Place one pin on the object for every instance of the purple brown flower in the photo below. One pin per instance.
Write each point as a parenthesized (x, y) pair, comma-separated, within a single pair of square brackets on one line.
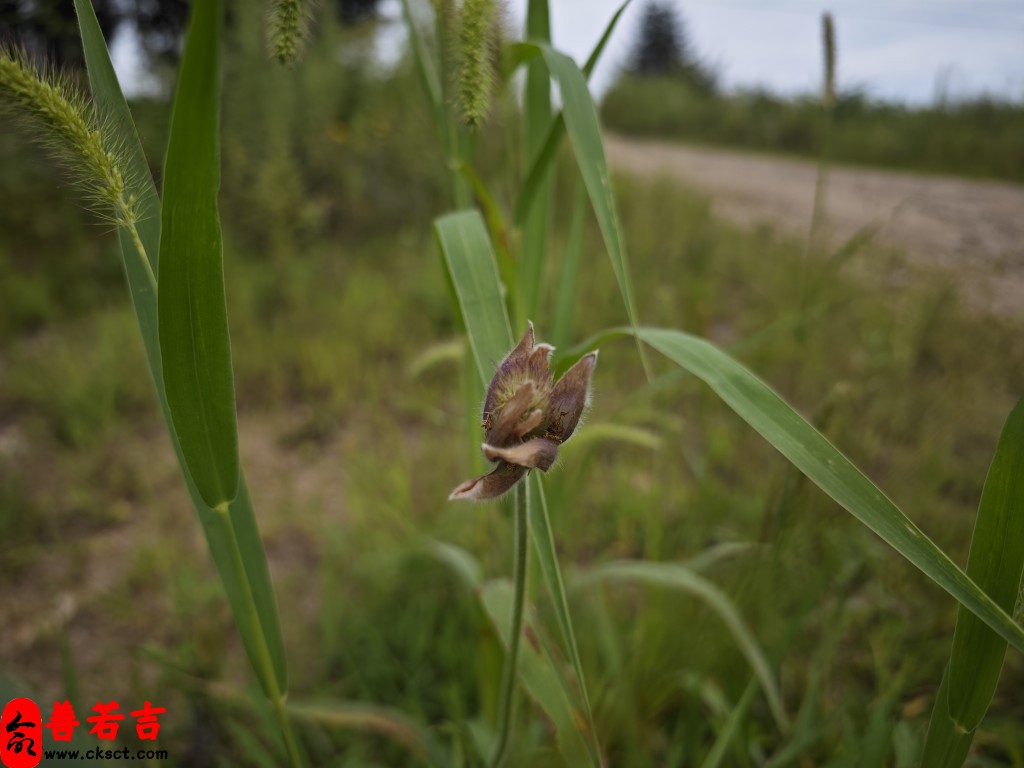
[(527, 415)]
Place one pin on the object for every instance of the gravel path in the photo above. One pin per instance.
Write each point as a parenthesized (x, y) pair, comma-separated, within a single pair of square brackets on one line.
[(973, 227)]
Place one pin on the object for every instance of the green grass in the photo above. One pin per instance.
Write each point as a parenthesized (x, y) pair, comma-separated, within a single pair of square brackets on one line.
[(351, 459)]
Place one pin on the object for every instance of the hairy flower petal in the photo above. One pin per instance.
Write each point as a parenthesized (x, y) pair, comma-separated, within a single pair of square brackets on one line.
[(538, 366), (509, 370), (569, 399), (490, 486), (539, 453), (503, 425)]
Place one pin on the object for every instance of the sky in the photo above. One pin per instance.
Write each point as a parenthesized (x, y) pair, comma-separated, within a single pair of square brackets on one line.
[(895, 49)]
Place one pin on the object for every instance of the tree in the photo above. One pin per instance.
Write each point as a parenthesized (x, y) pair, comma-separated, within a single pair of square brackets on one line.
[(662, 48)]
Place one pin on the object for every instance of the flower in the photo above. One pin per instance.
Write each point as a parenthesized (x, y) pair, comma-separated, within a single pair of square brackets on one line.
[(527, 415)]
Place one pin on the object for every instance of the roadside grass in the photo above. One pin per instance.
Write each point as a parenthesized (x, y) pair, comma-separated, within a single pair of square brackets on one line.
[(976, 137), (351, 456)]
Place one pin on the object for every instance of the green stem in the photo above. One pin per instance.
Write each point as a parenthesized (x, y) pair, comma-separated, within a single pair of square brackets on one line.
[(286, 730), (508, 677), (262, 664), (143, 255)]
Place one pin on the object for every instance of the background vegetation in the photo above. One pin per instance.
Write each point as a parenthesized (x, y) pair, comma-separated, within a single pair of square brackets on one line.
[(666, 91), (353, 429)]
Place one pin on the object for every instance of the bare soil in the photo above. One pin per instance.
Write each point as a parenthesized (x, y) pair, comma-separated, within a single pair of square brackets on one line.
[(975, 228)]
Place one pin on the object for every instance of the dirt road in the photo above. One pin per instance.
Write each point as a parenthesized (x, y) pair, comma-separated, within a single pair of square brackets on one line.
[(973, 227)]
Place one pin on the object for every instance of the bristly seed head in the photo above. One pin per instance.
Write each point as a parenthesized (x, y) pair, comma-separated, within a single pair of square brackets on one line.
[(477, 45), (527, 415), (70, 128)]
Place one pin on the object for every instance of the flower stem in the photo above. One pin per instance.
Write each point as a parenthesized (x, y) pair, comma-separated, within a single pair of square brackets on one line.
[(508, 677)]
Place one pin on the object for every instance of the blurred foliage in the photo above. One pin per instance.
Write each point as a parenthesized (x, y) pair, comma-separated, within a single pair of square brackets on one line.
[(48, 29), (978, 137)]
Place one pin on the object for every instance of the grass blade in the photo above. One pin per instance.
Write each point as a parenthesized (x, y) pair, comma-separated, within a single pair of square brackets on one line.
[(731, 728), (542, 158), (679, 577), (584, 131), (945, 746), (368, 718), (469, 258), (540, 674), (816, 457), (113, 111), (568, 279), (249, 589), (995, 563), (191, 311), (536, 123), (547, 557), (425, 68)]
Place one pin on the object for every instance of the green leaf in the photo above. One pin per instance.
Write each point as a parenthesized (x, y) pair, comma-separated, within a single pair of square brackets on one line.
[(540, 674), (469, 258), (946, 746), (679, 577), (544, 153), (536, 122), (113, 112), (547, 556), (584, 131), (824, 465), (732, 727), (193, 325), (995, 564)]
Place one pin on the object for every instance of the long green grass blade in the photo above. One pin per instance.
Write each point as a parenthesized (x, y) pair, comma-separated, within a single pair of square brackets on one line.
[(113, 112), (679, 577), (248, 587), (945, 746), (584, 131), (995, 564), (470, 261), (544, 155), (425, 68), (547, 557), (540, 674), (192, 315), (823, 464), (469, 258), (536, 122), (569, 275), (359, 717), (731, 729)]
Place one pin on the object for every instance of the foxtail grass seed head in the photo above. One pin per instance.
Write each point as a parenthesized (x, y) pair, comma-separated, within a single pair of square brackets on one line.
[(527, 415), (477, 41), (829, 39), (287, 30), (70, 129)]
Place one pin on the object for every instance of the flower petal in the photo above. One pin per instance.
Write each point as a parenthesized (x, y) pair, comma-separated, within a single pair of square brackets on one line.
[(490, 486), (512, 366), (539, 366), (539, 453), (569, 398), (502, 426)]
